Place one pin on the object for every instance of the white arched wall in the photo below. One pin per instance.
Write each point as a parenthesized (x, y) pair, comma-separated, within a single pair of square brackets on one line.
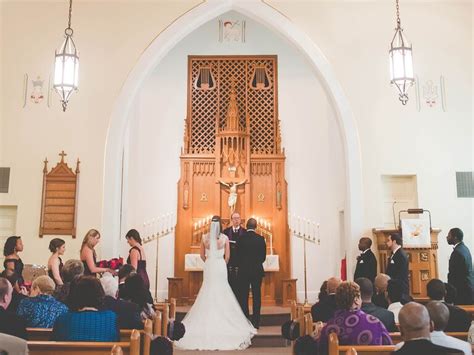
[(163, 43)]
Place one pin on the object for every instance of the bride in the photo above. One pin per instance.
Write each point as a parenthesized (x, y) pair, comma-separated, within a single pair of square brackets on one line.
[(216, 321)]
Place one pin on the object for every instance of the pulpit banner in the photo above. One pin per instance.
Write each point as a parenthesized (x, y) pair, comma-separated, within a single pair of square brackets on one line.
[(416, 233)]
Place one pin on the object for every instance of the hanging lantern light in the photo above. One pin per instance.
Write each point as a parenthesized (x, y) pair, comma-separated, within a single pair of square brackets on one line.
[(66, 65), (401, 61)]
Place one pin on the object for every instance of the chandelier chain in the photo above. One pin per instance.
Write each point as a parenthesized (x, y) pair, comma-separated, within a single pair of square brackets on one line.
[(70, 14), (398, 13)]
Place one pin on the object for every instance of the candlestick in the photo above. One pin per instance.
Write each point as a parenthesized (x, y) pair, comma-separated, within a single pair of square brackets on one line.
[(271, 244)]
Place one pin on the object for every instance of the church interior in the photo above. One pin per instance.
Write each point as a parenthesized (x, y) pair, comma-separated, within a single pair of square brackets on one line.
[(279, 110)]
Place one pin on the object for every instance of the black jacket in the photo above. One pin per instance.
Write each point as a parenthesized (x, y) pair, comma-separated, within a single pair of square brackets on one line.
[(460, 273), (324, 310), (386, 317), (229, 232), (11, 324), (366, 266), (397, 269), (422, 347), (252, 254), (128, 314), (459, 319)]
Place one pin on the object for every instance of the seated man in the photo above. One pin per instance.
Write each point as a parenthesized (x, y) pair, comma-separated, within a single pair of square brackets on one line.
[(439, 315), (9, 323), (415, 326), (366, 292), (41, 310), (325, 308), (128, 315), (380, 296), (395, 292), (459, 319)]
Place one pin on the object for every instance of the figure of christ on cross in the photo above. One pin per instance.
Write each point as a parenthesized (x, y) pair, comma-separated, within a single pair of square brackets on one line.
[(232, 200)]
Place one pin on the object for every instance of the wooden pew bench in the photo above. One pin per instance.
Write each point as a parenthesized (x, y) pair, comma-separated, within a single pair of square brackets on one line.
[(131, 347), (336, 349)]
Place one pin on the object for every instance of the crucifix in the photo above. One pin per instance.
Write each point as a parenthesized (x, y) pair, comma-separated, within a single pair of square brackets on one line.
[(232, 201)]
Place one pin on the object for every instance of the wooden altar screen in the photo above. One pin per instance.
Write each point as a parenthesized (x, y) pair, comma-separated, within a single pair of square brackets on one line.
[(232, 159), (423, 262)]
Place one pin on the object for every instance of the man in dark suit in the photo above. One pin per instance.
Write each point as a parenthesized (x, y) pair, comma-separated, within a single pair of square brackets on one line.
[(366, 292), (366, 261), (397, 267), (325, 308), (459, 320), (10, 323), (252, 254), (415, 328), (460, 267), (234, 233)]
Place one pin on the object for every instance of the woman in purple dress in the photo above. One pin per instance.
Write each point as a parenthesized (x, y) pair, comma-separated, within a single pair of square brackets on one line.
[(353, 326), (136, 255)]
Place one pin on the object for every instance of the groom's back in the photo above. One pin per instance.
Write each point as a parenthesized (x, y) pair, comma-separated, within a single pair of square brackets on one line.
[(252, 253)]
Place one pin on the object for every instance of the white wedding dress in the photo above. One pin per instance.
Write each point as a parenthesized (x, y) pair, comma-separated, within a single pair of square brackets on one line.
[(216, 321)]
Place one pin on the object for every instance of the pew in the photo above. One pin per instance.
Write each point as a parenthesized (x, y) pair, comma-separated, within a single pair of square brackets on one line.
[(157, 323), (172, 308), (293, 310), (397, 338), (116, 350), (336, 349), (132, 347), (164, 308)]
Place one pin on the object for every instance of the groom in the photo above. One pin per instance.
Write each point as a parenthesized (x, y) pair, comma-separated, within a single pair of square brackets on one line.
[(252, 253)]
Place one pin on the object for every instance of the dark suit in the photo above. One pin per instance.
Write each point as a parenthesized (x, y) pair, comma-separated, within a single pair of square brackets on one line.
[(128, 314), (459, 319), (252, 254), (422, 347), (324, 310), (380, 300), (232, 265), (397, 269), (386, 317), (366, 266), (460, 273), (12, 324)]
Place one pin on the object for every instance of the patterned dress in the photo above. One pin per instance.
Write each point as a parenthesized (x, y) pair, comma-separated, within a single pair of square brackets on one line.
[(354, 327), (41, 311)]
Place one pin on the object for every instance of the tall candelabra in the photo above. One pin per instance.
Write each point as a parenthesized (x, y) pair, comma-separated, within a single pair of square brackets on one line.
[(301, 228)]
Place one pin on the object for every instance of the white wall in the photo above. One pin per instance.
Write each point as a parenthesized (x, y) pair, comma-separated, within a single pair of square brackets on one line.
[(354, 37), (315, 166)]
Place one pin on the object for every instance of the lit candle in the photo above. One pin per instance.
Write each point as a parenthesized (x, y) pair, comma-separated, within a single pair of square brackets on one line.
[(271, 244)]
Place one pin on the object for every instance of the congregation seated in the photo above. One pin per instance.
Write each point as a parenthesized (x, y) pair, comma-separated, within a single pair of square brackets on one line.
[(85, 322), (380, 296), (352, 325), (19, 292), (415, 326), (128, 314), (161, 346), (459, 319), (325, 308), (306, 345), (394, 294), (134, 290), (10, 323), (12, 345), (72, 268), (385, 316), (124, 272), (41, 309)]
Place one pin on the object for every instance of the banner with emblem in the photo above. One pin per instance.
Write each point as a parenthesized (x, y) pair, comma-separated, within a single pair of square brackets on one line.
[(416, 233)]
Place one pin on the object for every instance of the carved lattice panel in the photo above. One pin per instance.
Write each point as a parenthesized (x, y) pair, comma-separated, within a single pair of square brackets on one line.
[(208, 106)]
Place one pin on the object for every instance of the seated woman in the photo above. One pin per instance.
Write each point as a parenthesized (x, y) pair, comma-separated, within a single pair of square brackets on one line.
[(85, 322), (12, 247), (134, 290), (41, 310), (353, 326), (19, 292), (72, 268), (57, 246), (124, 272)]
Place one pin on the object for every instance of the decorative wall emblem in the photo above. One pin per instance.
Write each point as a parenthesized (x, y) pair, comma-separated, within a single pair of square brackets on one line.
[(260, 78), (430, 94), (205, 79), (260, 197), (424, 257), (231, 31), (203, 197), (37, 94), (425, 275)]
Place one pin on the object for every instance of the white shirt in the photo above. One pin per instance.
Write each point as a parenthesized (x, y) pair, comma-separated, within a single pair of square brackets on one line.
[(395, 309), (235, 229), (440, 338)]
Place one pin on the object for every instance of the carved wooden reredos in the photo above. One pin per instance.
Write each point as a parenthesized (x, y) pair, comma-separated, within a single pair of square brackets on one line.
[(232, 157)]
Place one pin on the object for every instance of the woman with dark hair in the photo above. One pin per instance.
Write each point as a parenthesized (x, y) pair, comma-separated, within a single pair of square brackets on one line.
[(134, 290), (57, 246), (88, 255), (352, 325), (85, 322), (13, 246), (136, 255)]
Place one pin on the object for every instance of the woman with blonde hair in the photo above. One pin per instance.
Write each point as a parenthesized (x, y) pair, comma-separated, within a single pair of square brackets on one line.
[(89, 256)]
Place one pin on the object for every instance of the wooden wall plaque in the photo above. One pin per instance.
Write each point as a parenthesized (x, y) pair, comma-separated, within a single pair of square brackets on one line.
[(59, 199)]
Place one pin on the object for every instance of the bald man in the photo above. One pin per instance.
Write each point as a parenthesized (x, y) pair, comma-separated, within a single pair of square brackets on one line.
[(366, 262), (324, 309), (415, 327)]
